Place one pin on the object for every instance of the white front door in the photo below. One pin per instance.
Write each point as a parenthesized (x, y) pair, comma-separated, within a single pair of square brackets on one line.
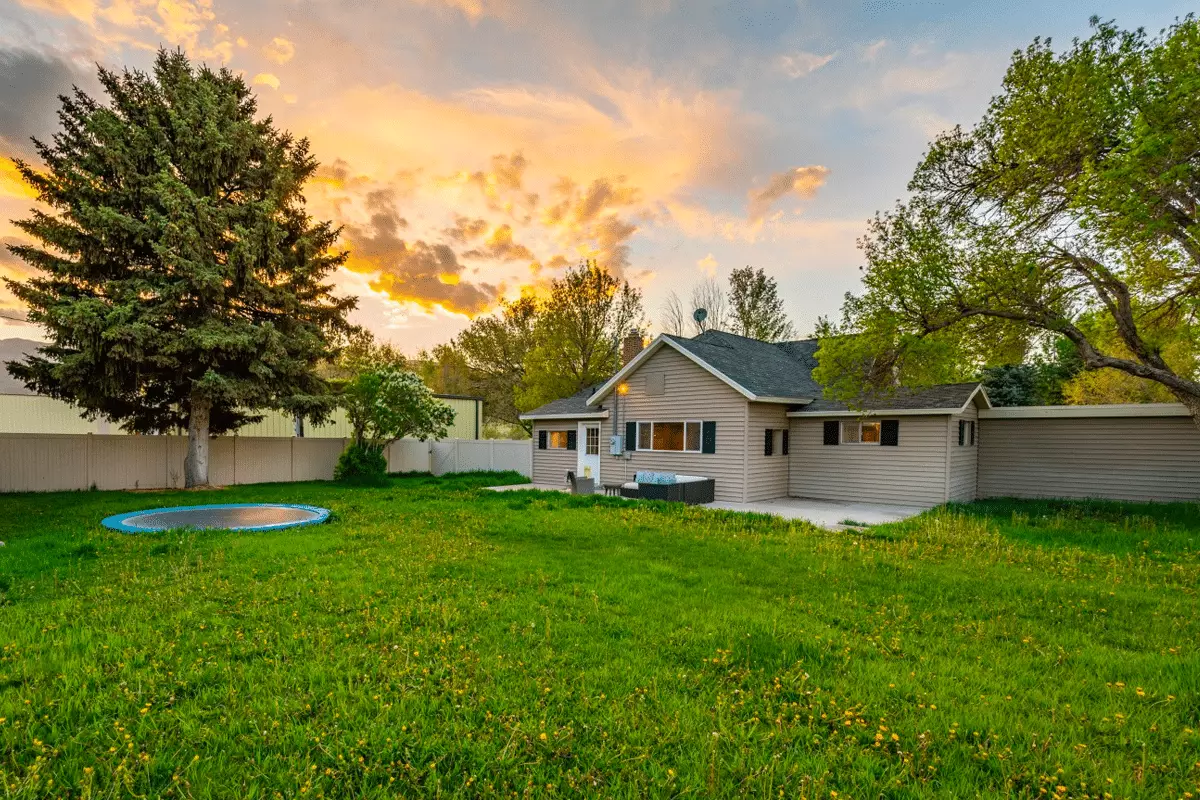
[(589, 451)]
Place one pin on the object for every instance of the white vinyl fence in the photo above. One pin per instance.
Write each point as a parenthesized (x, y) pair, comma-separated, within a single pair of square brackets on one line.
[(39, 462)]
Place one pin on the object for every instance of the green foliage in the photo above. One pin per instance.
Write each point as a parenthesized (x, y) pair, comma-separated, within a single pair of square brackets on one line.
[(756, 309), (178, 268), (436, 631), (387, 404), (1071, 201), (495, 349), (577, 335), (1040, 382), (361, 463)]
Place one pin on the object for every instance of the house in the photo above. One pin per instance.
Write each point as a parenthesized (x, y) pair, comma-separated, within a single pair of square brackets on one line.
[(749, 415)]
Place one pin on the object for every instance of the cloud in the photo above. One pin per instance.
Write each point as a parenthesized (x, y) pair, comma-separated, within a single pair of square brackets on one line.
[(798, 64), (12, 184), (144, 24), (266, 79), (466, 229), (416, 271), (29, 92), (800, 181), (279, 50), (471, 9), (501, 247), (708, 265), (872, 51)]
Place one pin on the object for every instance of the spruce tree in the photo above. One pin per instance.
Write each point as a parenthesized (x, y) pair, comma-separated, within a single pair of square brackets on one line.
[(182, 283)]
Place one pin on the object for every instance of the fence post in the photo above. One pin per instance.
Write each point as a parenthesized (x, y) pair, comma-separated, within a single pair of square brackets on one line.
[(492, 454)]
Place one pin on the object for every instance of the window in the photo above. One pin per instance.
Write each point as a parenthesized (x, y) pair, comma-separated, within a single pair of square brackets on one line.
[(592, 443), (966, 433), (677, 437), (861, 432), (558, 440)]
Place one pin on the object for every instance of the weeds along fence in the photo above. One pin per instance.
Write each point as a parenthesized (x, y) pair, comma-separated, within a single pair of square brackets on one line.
[(66, 462)]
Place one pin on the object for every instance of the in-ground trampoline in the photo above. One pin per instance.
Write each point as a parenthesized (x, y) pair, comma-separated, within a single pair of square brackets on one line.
[(231, 516)]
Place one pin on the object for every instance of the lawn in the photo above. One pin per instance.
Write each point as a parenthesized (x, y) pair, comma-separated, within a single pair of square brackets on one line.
[(437, 639)]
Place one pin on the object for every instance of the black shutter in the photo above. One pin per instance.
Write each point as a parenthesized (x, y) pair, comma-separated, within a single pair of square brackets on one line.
[(783, 442), (541, 440), (962, 432), (631, 436), (833, 431), (889, 433), (708, 437), (972, 442), (769, 442), (571, 439)]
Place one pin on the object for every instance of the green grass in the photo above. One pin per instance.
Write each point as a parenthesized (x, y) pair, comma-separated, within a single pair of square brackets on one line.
[(439, 640)]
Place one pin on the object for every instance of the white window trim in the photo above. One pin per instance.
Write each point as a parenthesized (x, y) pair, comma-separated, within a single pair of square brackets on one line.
[(860, 423), (684, 423)]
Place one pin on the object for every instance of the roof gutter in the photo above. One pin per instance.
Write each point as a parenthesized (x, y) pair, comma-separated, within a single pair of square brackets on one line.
[(1082, 412), (575, 415), (875, 412)]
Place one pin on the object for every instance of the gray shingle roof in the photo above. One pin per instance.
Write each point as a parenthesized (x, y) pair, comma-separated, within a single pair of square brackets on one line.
[(762, 368), (948, 395), (575, 404), (776, 370)]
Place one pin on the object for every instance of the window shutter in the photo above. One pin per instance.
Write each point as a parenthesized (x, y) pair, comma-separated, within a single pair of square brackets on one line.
[(973, 426), (631, 436), (572, 437), (889, 433), (783, 442), (769, 442), (833, 431), (962, 432), (541, 440), (708, 437)]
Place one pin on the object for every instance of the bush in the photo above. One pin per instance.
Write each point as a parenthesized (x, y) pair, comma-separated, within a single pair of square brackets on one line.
[(361, 463)]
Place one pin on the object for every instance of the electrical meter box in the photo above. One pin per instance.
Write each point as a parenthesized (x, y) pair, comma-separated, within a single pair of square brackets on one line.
[(616, 445)]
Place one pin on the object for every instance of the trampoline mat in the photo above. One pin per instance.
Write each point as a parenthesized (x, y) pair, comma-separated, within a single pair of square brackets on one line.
[(230, 517)]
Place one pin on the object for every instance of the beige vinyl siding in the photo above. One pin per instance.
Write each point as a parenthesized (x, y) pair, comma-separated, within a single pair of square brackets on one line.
[(1122, 458), (550, 466), (912, 473), (766, 476), (689, 393), (964, 461)]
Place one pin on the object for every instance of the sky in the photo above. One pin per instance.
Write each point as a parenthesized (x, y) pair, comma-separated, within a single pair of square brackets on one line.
[(473, 149)]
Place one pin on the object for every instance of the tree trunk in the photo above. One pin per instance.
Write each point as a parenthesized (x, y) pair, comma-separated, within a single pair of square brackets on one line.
[(1192, 403), (195, 466)]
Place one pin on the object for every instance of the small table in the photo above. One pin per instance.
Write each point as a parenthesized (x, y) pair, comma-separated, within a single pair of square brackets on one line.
[(612, 489)]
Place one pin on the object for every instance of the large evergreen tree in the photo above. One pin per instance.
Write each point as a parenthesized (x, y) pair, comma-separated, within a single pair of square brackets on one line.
[(180, 279)]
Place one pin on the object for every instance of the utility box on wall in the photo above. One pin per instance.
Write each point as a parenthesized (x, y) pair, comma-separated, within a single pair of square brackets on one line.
[(616, 446)]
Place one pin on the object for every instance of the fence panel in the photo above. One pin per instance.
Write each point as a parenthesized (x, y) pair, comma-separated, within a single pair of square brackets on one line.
[(65, 462), (515, 456), (408, 455)]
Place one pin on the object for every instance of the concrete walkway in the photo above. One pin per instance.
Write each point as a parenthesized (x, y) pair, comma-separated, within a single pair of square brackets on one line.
[(825, 513)]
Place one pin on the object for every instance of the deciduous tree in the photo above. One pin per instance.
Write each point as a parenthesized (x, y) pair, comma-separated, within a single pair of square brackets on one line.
[(755, 307), (1076, 195), (578, 334)]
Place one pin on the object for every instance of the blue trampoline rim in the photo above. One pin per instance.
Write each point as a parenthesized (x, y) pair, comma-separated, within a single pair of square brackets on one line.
[(117, 521)]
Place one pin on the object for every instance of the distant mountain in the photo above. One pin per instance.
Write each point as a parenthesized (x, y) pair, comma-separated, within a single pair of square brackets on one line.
[(14, 350)]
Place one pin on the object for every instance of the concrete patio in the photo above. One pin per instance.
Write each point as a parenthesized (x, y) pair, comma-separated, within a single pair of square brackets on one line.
[(825, 513)]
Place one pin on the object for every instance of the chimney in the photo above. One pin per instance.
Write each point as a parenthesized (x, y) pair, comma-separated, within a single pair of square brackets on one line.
[(631, 345)]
